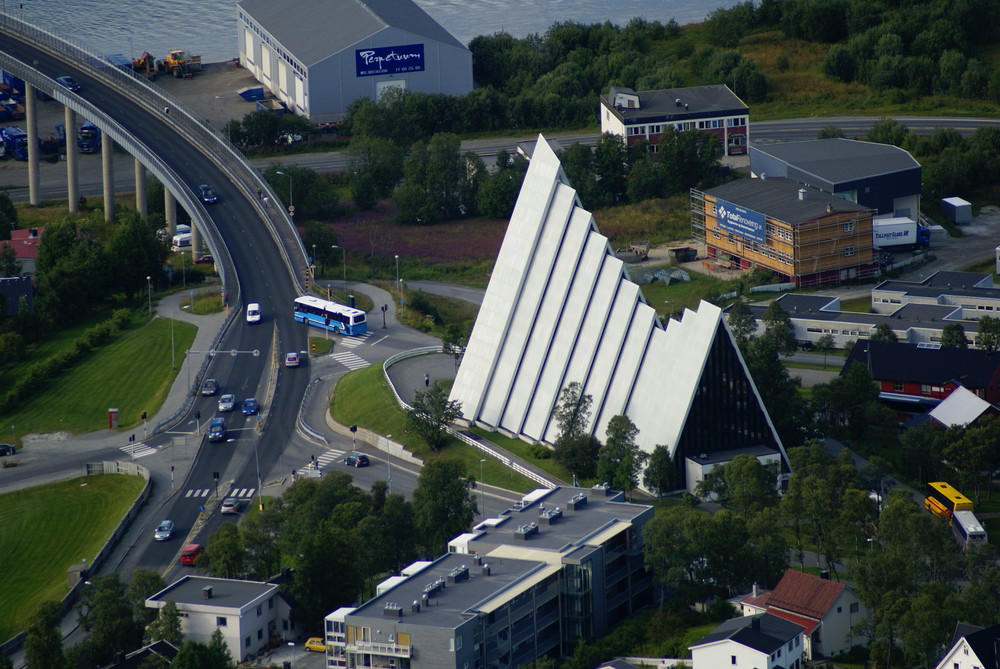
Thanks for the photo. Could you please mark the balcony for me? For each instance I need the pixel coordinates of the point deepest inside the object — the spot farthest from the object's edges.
(390, 649)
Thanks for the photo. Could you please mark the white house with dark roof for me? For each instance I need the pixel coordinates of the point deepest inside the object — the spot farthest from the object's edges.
(250, 613)
(973, 647)
(646, 115)
(318, 56)
(760, 641)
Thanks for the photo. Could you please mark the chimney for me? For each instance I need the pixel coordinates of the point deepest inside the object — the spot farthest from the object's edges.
(756, 589)
(415, 606)
(206, 592)
(755, 623)
(802, 193)
(486, 569)
(32, 232)
(824, 574)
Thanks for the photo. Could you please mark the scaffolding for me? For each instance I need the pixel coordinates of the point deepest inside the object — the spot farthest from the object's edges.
(835, 247)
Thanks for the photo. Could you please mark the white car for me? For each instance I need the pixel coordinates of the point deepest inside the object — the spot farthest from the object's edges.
(227, 403)
(253, 313)
(292, 359)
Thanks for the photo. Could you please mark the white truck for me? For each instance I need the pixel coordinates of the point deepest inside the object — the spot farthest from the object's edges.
(892, 233)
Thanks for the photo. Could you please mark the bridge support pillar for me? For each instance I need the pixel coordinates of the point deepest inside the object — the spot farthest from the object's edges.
(195, 241)
(141, 203)
(31, 117)
(108, 176)
(72, 171)
(170, 211)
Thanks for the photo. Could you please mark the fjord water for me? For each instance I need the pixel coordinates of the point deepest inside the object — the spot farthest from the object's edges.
(208, 27)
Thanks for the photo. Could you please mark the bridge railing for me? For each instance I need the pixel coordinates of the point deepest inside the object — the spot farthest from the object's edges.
(210, 142)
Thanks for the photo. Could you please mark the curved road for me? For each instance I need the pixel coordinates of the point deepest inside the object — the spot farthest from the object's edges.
(262, 277)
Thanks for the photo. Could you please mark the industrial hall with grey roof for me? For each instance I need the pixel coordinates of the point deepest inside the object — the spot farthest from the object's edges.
(318, 56)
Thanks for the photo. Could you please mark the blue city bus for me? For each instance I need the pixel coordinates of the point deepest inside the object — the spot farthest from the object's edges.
(330, 315)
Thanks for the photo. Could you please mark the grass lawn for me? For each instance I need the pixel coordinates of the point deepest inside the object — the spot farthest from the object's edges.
(860, 305)
(132, 373)
(523, 450)
(682, 295)
(364, 398)
(203, 302)
(37, 546)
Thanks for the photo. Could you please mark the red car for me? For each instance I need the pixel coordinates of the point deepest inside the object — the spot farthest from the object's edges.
(190, 553)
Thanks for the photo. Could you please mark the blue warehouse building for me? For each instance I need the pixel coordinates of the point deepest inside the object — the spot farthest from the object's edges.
(876, 176)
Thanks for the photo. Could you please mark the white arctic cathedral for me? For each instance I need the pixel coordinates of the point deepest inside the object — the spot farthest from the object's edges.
(560, 307)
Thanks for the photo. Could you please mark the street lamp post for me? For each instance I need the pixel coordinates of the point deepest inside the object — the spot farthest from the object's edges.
(397, 271)
(149, 291)
(482, 490)
(313, 261)
(291, 202)
(344, 251)
(292, 644)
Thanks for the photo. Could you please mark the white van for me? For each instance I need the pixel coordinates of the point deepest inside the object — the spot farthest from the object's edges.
(253, 313)
(182, 241)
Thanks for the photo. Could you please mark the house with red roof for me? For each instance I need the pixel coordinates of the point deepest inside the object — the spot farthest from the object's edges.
(828, 611)
(25, 242)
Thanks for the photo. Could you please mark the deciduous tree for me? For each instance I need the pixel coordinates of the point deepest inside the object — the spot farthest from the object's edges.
(443, 503)
(167, 625)
(988, 337)
(741, 322)
(620, 460)
(660, 476)
(43, 647)
(432, 411)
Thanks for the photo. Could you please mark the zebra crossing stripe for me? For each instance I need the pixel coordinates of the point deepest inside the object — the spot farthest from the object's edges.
(350, 360)
(138, 450)
(354, 342)
(198, 492)
(242, 492)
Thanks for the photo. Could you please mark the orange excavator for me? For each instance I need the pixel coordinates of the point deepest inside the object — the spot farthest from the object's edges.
(145, 64)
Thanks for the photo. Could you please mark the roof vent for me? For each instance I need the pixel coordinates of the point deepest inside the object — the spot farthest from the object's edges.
(392, 610)
(677, 102)
(415, 606)
(550, 516)
(524, 531)
(578, 501)
(829, 207)
(763, 176)
(486, 569)
(802, 193)
(685, 106)
(206, 592)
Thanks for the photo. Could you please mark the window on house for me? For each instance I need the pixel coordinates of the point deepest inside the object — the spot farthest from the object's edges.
(260, 610)
(848, 251)
(246, 642)
(220, 621)
(855, 607)
(732, 660)
(270, 602)
(849, 226)
(260, 634)
(840, 609)
(925, 389)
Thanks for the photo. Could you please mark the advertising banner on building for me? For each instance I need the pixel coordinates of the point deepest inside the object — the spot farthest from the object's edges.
(740, 220)
(389, 60)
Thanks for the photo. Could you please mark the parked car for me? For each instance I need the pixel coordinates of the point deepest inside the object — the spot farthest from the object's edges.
(292, 359)
(204, 260)
(210, 387)
(164, 530)
(227, 402)
(190, 553)
(207, 194)
(315, 644)
(7, 449)
(250, 406)
(69, 83)
(230, 505)
(356, 460)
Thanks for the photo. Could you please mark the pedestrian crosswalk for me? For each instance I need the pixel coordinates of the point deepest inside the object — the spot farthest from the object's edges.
(138, 450)
(355, 341)
(316, 466)
(350, 360)
(241, 493)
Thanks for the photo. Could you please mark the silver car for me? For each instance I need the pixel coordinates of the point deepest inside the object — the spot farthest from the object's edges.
(164, 531)
(227, 403)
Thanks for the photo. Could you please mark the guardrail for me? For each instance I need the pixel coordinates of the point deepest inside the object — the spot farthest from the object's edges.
(226, 156)
(484, 448)
(311, 433)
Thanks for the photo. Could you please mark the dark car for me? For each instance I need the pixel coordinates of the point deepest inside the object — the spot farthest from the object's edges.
(207, 194)
(356, 460)
(210, 387)
(204, 260)
(250, 407)
(7, 449)
(69, 83)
